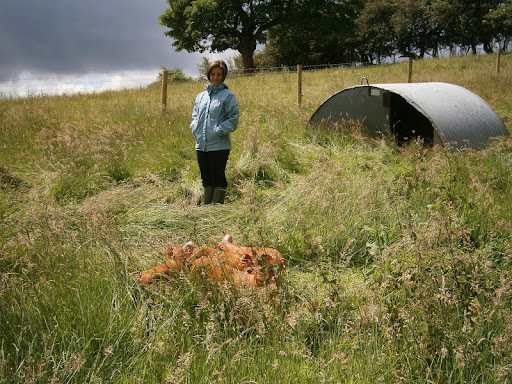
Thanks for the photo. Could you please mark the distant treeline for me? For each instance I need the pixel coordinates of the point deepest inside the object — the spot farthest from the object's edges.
(370, 31)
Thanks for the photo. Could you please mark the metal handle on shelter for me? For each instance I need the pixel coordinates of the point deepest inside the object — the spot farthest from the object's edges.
(367, 84)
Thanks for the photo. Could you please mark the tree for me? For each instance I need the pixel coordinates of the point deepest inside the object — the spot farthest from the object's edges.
(320, 32)
(410, 25)
(472, 29)
(376, 36)
(218, 25)
(417, 27)
(174, 75)
(420, 25)
(443, 16)
(500, 20)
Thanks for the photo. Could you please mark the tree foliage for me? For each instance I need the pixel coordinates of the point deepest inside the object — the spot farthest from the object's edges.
(500, 21)
(472, 30)
(320, 31)
(421, 27)
(174, 75)
(339, 31)
(424, 27)
(315, 32)
(375, 32)
(218, 25)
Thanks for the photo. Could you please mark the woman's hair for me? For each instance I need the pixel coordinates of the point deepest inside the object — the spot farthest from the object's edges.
(217, 64)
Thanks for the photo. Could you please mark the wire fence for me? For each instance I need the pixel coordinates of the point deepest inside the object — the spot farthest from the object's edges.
(293, 68)
(28, 85)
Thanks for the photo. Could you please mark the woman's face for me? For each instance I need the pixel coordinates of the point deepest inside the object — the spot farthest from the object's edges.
(216, 75)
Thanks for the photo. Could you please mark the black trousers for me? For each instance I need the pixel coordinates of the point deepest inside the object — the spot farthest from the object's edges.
(213, 167)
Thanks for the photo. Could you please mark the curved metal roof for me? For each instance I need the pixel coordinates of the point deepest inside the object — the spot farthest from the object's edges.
(458, 116)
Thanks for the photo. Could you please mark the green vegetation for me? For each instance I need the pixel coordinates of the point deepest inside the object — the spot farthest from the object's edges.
(317, 32)
(399, 259)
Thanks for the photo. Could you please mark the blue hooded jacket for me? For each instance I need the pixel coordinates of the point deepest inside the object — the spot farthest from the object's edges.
(214, 117)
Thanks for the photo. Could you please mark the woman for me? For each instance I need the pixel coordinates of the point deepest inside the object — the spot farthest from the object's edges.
(214, 117)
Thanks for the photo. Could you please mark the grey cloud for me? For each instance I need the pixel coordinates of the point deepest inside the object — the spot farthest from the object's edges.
(92, 36)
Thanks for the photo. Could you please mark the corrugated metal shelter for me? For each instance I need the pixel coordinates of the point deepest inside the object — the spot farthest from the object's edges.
(439, 113)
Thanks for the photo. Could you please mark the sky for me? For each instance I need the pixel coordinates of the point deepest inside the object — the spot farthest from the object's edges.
(65, 46)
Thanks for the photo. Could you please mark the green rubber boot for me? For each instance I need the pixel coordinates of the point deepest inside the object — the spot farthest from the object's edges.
(219, 193)
(208, 195)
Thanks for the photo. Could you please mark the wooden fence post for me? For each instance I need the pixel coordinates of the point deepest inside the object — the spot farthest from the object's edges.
(165, 75)
(498, 59)
(299, 84)
(409, 77)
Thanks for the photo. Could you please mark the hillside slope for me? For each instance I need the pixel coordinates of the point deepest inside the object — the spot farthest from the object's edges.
(400, 258)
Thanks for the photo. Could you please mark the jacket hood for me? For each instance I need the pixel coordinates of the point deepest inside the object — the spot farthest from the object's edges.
(210, 88)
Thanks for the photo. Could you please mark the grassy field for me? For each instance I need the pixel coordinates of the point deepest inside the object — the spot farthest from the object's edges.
(399, 259)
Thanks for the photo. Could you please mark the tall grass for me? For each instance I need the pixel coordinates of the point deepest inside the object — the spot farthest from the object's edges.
(400, 258)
